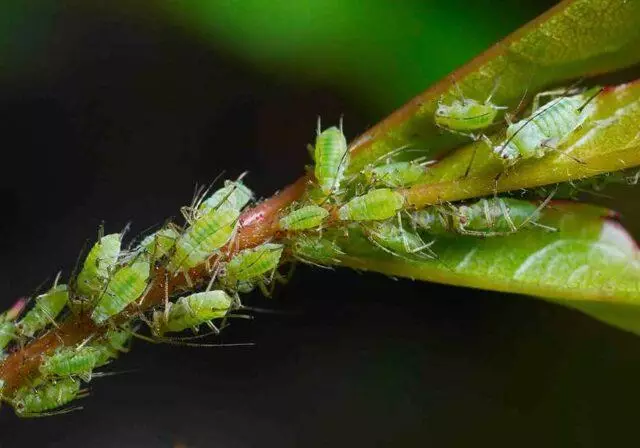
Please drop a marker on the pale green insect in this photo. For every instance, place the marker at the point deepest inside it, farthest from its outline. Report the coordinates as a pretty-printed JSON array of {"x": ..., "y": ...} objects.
[
  {"x": 112, "y": 344},
  {"x": 547, "y": 127},
  {"x": 160, "y": 244},
  {"x": 396, "y": 174},
  {"x": 207, "y": 233},
  {"x": 331, "y": 157},
  {"x": 234, "y": 195},
  {"x": 7, "y": 332},
  {"x": 98, "y": 265},
  {"x": 250, "y": 266},
  {"x": 316, "y": 250},
  {"x": 45, "y": 310},
  {"x": 125, "y": 286},
  {"x": 304, "y": 218},
  {"x": 192, "y": 311},
  {"x": 393, "y": 238},
  {"x": 70, "y": 361},
  {"x": 375, "y": 205},
  {"x": 37, "y": 401},
  {"x": 484, "y": 218}
]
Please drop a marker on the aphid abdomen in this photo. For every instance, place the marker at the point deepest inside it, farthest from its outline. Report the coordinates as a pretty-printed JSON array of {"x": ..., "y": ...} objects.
[
  {"x": 495, "y": 215},
  {"x": 71, "y": 361},
  {"x": 397, "y": 174},
  {"x": 234, "y": 195},
  {"x": 112, "y": 344},
  {"x": 7, "y": 333},
  {"x": 251, "y": 264},
  {"x": 97, "y": 266},
  {"x": 316, "y": 250},
  {"x": 207, "y": 234},
  {"x": 331, "y": 159},
  {"x": 375, "y": 205},
  {"x": 160, "y": 243},
  {"x": 308, "y": 217},
  {"x": 395, "y": 239},
  {"x": 196, "y": 309},
  {"x": 46, "y": 397},
  {"x": 432, "y": 220},
  {"x": 465, "y": 116},
  {"x": 126, "y": 286},
  {"x": 560, "y": 117},
  {"x": 45, "y": 310}
]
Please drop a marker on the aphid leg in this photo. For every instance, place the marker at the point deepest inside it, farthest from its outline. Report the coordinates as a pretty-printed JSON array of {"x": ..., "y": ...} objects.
[
  {"x": 507, "y": 215},
  {"x": 542, "y": 205},
  {"x": 216, "y": 271},
  {"x": 187, "y": 279},
  {"x": 166, "y": 298},
  {"x": 214, "y": 329},
  {"x": 551, "y": 144}
]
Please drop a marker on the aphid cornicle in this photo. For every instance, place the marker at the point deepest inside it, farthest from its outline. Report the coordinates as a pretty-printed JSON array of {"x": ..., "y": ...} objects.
[
  {"x": 375, "y": 205},
  {"x": 98, "y": 265},
  {"x": 316, "y": 250},
  {"x": 71, "y": 361},
  {"x": 484, "y": 218},
  {"x": 38, "y": 400},
  {"x": 249, "y": 267},
  {"x": 393, "y": 238},
  {"x": 234, "y": 195},
  {"x": 546, "y": 128},
  {"x": 307, "y": 217},
  {"x": 125, "y": 286},
  {"x": 45, "y": 310},
  {"x": 207, "y": 233},
  {"x": 192, "y": 311},
  {"x": 331, "y": 157}
]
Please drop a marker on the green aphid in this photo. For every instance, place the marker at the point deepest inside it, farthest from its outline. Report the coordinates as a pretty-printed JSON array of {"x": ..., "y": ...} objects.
[
  {"x": 125, "y": 286},
  {"x": 316, "y": 250},
  {"x": 39, "y": 400},
  {"x": 234, "y": 195},
  {"x": 304, "y": 218},
  {"x": 466, "y": 115},
  {"x": 111, "y": 345},
  {"x": 98, "y": 265},
  {"x": 160, "y": 244},
  {"x": 393, "y": 238},
  {"x": 207, "y": 233},
  {"x": 250, "y": 266},
  {"x": 375, "y": 205},
  {"x": 47, "y": 307},
  {"x": 395, "y": 174},
  {"x": 484, "y": 218},
  {"x": 70, "y": 361},
  {"x": 192, "y": 311},
  {"x": 7, "y": 332},
  {"x": 331, "y": 157}
]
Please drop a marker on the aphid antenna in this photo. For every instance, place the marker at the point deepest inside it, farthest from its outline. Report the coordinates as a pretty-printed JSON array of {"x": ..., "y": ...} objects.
[
  {"x": 591, "y": 98},
  {"x": 271, "y": 311},
  {"x": 214, "y": 275},
  {"x": 52, "y": 413},
  {"x": 540, "y": 207},
  {"x": 458, "y": 90}
]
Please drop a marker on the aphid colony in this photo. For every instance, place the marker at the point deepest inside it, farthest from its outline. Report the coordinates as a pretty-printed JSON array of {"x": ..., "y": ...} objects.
[{"x": 113, "y": 280}]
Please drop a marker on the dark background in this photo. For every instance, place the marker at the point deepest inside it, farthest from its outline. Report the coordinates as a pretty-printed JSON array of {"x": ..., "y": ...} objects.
[{"x": 115, "y": 113}]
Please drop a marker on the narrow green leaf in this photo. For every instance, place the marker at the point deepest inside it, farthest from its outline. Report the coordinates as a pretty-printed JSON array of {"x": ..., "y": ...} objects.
[
  {"x": 577, "y": 38},
  {"x": 589, "y": 263}
]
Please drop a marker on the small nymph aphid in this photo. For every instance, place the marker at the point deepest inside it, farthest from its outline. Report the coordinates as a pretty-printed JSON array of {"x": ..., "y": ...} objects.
[
  {"x": 125, "y": 286},
  {"x": 207, "y": 233},
  {"x": 375, "y": 205},
  {"x": 72, "y": 361},
  {"x": 250, "y": 266},
  {"x": 466, "y": 115},
  {"x": 111, "y": 345},
  {"x": 44, "y": 312},
  {"x": 392, "y": 237},
  {"x": 39, "y": 400},
  {"x": 160, "y": 244},
  {"x": 548, "y": 126},
  {"x": 484, "y": 218},
  {"x": 304, "y": 218},
  {"x": 192, "y": 311},
  {"x": 98, "y": 265},
  {"x": 316, "y": 250},
  {"x": 331, "y": 156},
  {"x": 234, "y": 195}
]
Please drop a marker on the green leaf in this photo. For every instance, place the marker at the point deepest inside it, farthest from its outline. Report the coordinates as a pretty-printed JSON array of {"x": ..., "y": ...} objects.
[
  {"x": 577, "y": 38},
  {"x": 590, "y": 263}
]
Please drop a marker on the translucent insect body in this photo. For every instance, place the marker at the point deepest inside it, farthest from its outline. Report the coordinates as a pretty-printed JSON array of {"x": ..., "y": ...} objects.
[
  {"x": 70, "y": 361},
  {"x": 331, "y": 157},
  {"x": 393, "y": 238},
  {"x": 126, "y": 285},
  {"x": 36, "y": 401},
  {"x": 250, "y": 266},
  {"x": 98, "y": 265},
  {"x": 307, "y": 217},
  {"x": 484, "y": 218},
  {"x": 546, "y": 128},
  {"x": 375, "y": 205},
  {"x": 234, "y": 195},
  {"x": 192, "y": 311},
  {"x": 160, "y": 244},
  {"x": 316, "y": 250},
  {"x": 44, "y": 312}
]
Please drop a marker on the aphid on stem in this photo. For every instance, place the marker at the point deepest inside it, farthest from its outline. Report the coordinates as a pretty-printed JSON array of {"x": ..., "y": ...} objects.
[
  {"x": 393, "y": 238},
  {"x": 47, "y": 307},
  {"x": 41, "y": 400},
  {"x": 318, "y": 251},
  {"x": 72, "y": 361},
  {"x": 98, "y": 265},
  {"x": 376, "y": 205},
  {"x": 331, "y": 156},
  {"x": 250, "y": 267},
  {"x": 304, "y": 218}
]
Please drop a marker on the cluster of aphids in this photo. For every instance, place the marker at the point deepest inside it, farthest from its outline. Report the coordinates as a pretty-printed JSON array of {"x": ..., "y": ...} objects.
[{"x": 112, "y": 279}]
